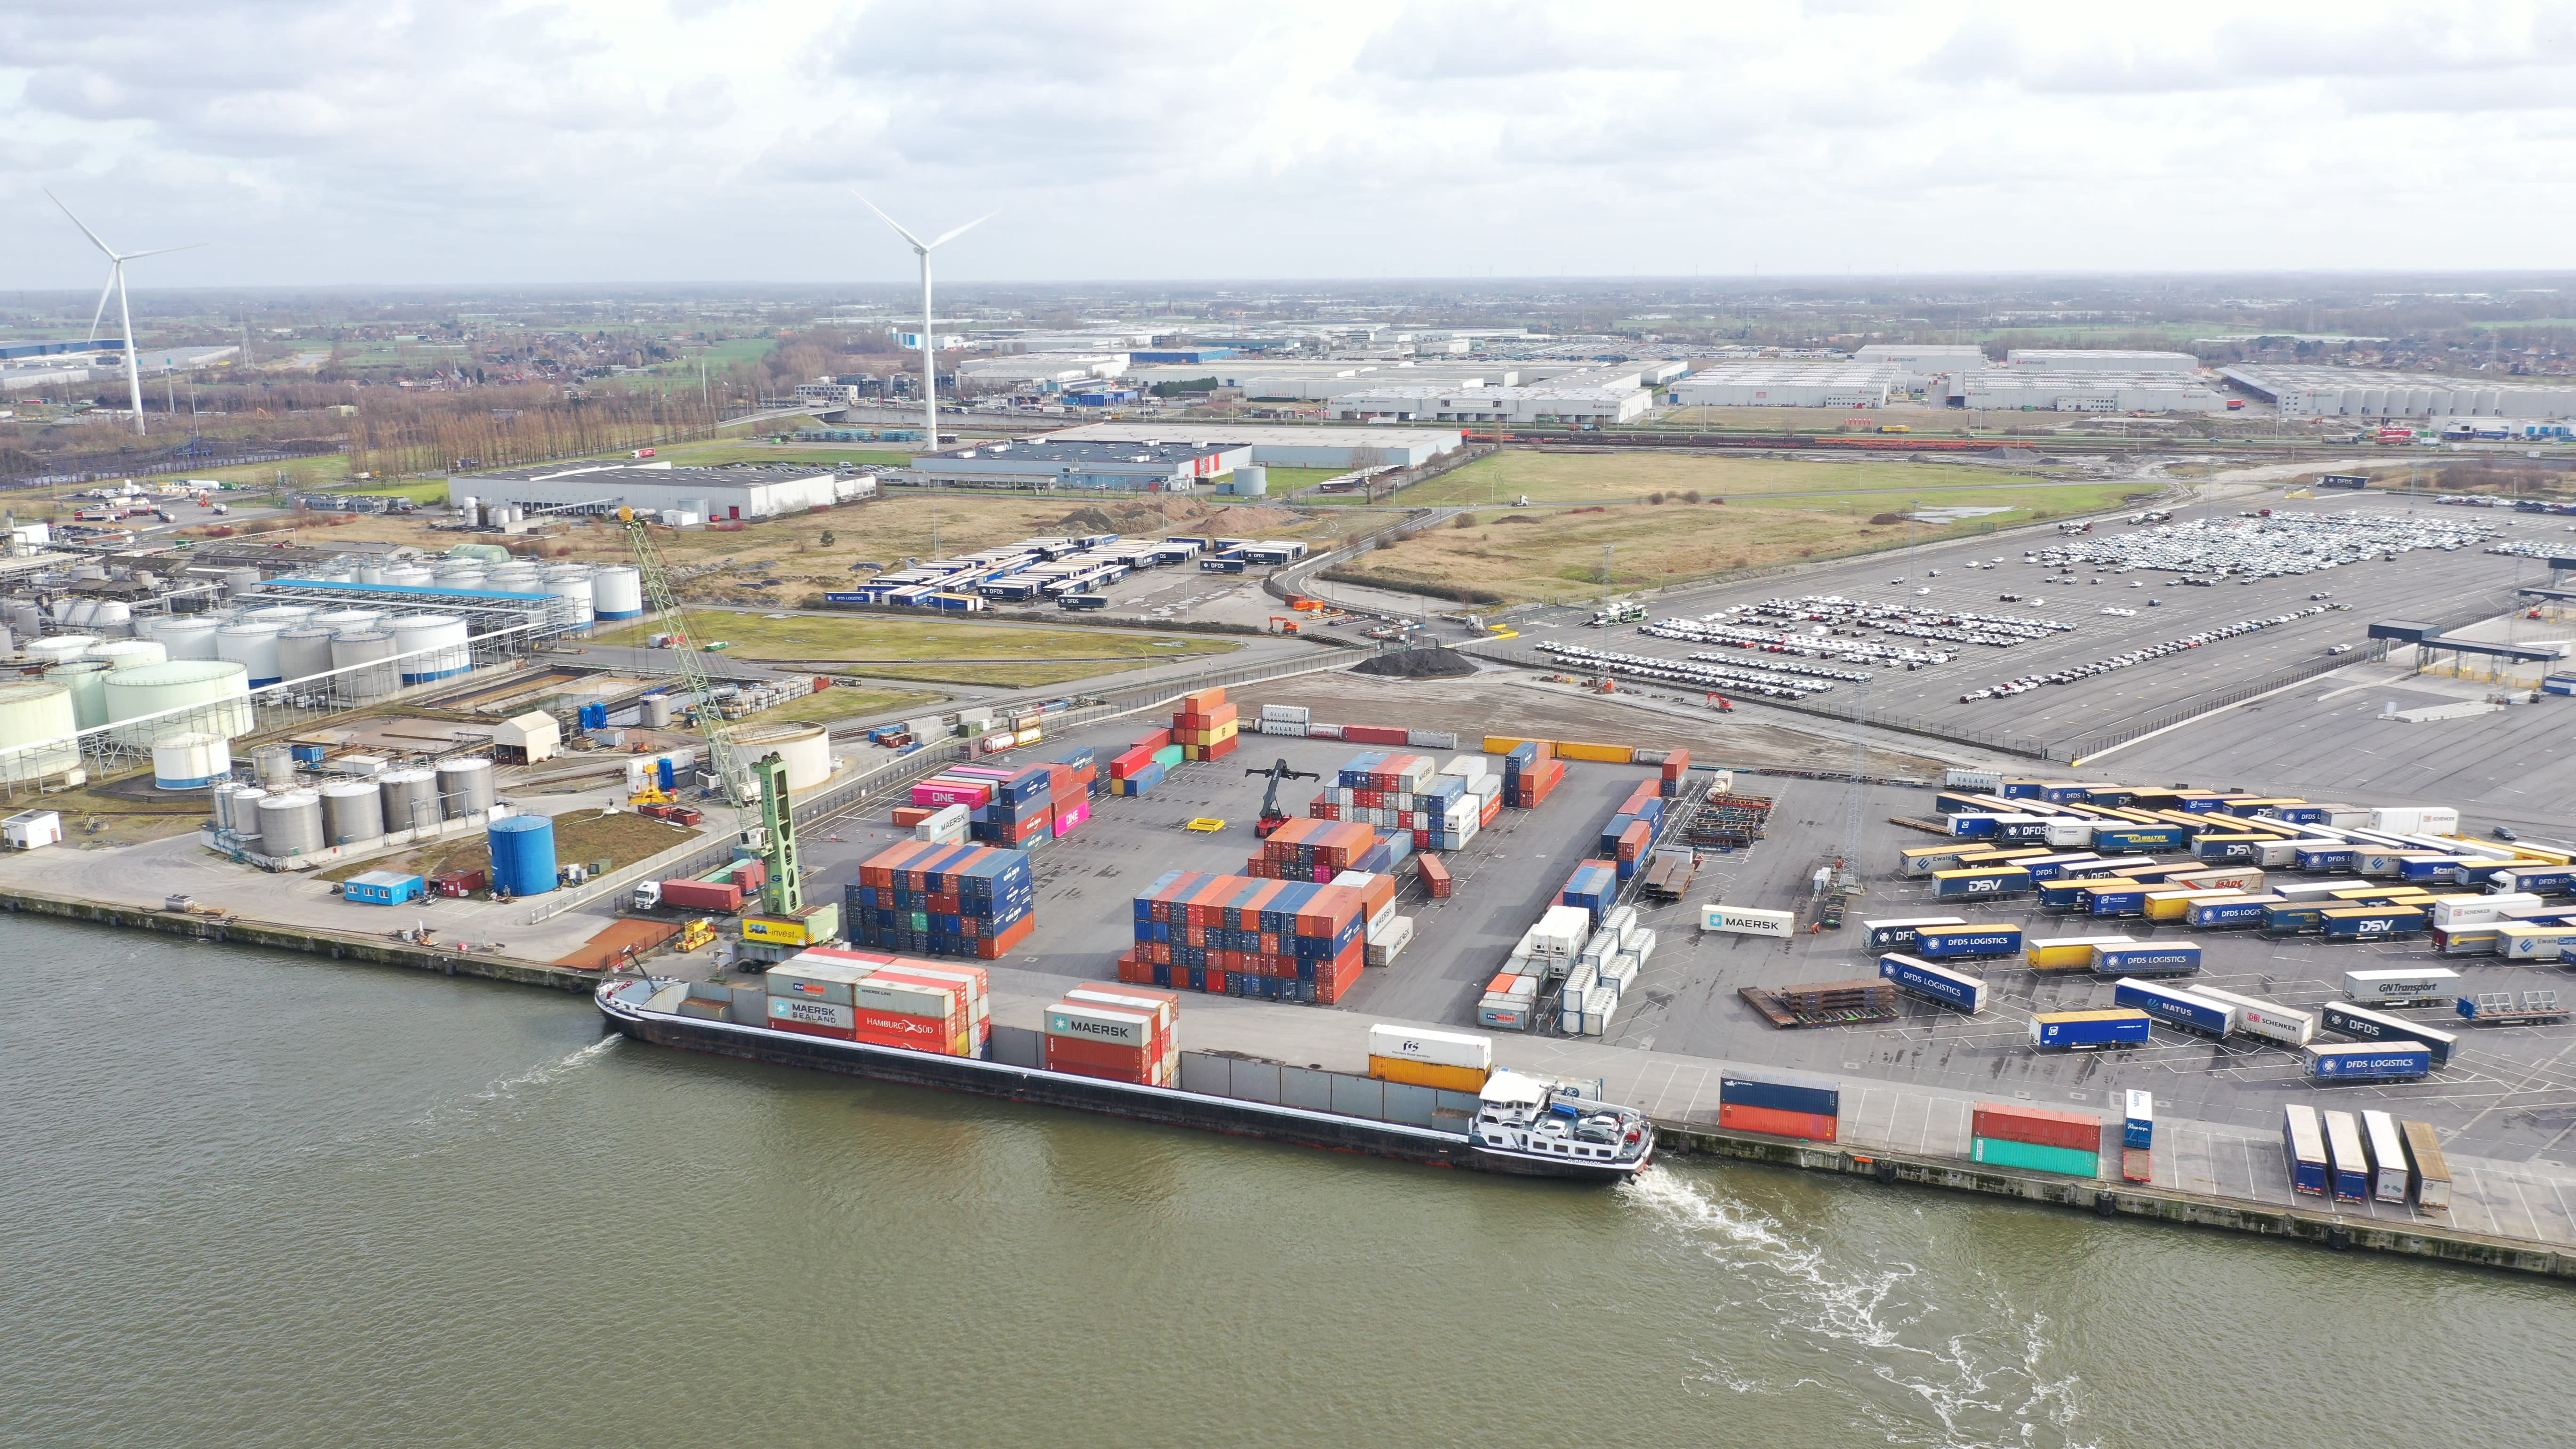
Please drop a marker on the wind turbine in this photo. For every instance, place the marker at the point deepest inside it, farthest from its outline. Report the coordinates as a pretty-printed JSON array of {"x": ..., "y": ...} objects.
[
  {"x": 116, "y": 261},
  {"x": 929, "y": 346}
]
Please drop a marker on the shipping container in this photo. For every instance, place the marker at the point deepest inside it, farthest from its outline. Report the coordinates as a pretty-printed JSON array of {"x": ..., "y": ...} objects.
[
  {"x": 2371, "y": 923},
  {"x": 2067, "y": 953},
  {"x": 2365, "y": 1025},
  {"x": 2479, "y": 910},
  {"x": 2137, "y": 1119},
  {"x": 2345, "y": 1154},
  {"x": 2228, "y": 913},
  {"x": 2248, "y": 879},
  {"x": 2257, "y": 1017},
  {"x": 1924, "y": 978},
  {"x": 2036, "y": 1157},
  {"x": 2148, "y": 958},
  {"x": 2529, "y": 941},
  {"x": 2415, "y": 986},
  {"x": 1774, "y": 1122},
  {"x": 2428, "y": 1172},
  {"x": 2177, "y": 1006},
  {"x": 2303, "y": 1142},
  {"x": 1441, "y": 1048},
  {"x": 2387, "y": 1148},
  {"x": 1943, "y": 943},
  {"x": 2084, "y": 1030},
  {"x": 2366, "y": 1062},
  {"x": 1782, "y": 1092},
  {"x": 2004, "y": 1121}
]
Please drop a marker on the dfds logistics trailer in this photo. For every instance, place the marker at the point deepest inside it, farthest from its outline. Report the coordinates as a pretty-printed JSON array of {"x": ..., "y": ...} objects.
[
  {"x": 2364, "y": 1062},
  {"x": 1954, "y": 989},
  {"x": 2147, "y": 958},
  {"x": 1898, "y": 935},
  {"x": 2069, "y": 953},
  {"x": 1945, "y": 943},
  {"x": 2371, "y": 1027}
]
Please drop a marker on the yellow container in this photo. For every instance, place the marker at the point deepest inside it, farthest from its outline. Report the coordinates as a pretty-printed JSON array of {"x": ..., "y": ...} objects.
[
  {"x": 1427, "y": 1074},
  {"x": 1502, "y": 744},
  {"x": 2174, "y": 905},
  {"x": 777, "y": 930},
  {"x": 1606, "y": 754},
  {"x": 2057, "y": 956}
]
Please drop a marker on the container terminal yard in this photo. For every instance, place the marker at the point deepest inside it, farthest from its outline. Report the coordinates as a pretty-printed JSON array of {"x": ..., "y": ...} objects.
[{"x": 1719, "y": 976}]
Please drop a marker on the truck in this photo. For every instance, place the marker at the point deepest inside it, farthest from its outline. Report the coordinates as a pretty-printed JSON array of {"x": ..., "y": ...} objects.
[
  {"x": 2366, "y": 1062},
  {"x": 2415, "y": 986},
  {"x": 1080, "y": 602},
  {"x": 2089, "y": 1030},
  {"x": 1625, "y": 613},
  {"x": 2303, "y": 1142},
  {"x": 2147, "y": 958},
  {"x": 1954, "y": 989},
  {"x": 2376, "y": 1029},
  {"x": 647, "y": 896},
  {"x": 2176, "y": 1006}
]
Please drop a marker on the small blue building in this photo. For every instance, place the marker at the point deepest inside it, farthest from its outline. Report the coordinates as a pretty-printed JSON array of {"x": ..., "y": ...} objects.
[{"x": 383, "y": 888}]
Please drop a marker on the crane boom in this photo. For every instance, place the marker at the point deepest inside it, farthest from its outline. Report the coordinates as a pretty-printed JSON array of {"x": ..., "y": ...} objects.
[{"x": 684, "y": 650}]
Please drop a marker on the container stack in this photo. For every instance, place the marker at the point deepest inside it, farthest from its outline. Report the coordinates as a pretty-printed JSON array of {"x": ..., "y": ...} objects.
[
  {"x": 1779, "y": 1104},
  {"x": 1142, "y": 765},
  {"x": 1676, "y": 766},
  {"x": 1531, "y": 772},
  {"x": 1594, "y": 888},
  {"x": 1240, "y": 935},
  {"x": 1205, "y": 726},
  {"x": 1511, "y": 998},
  {"x": 1442, "y": 811},
  {"x": 1285, "y": 719},
  {"x": 947, "y": 900},
  {"x": 1119, "y": 1034},
  {"x": 1445, "y": 1060},
  {"x": 882, "y": 1001},
  {"x": 1603, "y": 972},
  {"x": 2036, "y": 1139},
  {"x": 1630, "y": 836},
  {"x": 1313, "y": 850},
  {"x": 1483, "y": 784}
]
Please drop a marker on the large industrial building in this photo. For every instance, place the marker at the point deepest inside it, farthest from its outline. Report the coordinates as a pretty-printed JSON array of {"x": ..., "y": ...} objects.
[
  {"x": 1543, "y": 403},
  {"x": 1060, "y": 463},
  {"x": 2345, "y": 392},
  {"x": 704, "y": 493},
  {"x": 1917, "y": 363},
  {"x": 2075, "y": 359},
  {"x": 1042, "y": 371},
  {"x": 1788, "y": 385},
  {"x": 2074, "y": 392},
  {"x": 1278, "y": 446}
]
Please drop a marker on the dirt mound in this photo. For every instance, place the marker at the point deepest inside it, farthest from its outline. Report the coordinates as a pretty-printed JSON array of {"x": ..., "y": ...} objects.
[
  {"x": 1133, "y": 519},
  {"x": 1419, "y": 664},
  {"x": 1248, "y": 519}
]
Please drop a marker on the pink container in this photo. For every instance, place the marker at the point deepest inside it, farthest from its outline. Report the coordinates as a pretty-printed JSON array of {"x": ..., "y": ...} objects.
[
  {"x": 1067, "y": 817},
  {"x": 972, "y": 794}
]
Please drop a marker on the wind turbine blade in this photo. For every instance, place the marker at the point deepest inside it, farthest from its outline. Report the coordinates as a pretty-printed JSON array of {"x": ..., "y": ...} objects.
[
  {"x": 890, "y": 221},
  {"x": 84, "y": 226},
  {"x": 160, "y": 251},
  {"x": 103, "y": 294},
  {"x": 970, "y": 226}
]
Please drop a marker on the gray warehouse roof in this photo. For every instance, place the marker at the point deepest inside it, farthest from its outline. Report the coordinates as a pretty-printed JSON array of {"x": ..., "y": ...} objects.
[
  {"x": 1075, "y": 451},
  {"x": 626, "y": 475}
]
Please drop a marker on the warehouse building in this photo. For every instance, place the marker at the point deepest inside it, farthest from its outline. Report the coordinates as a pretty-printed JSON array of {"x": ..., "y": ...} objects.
[
  {"x": 1551, "y": 402},
  {"x": 2075, "y": 392},
  {"x": 1054, "y": 462},
  {"x": 1788, "y": 385},
  {"x": 1037, "y": 371},
  {"x": 2052, "y": 359},
  {"x": 1917, "y": 363},
  {"x": 1284, "y": 447},
  {"x": 702, "y": 493},
  {"x": 2347, "y": 392}
]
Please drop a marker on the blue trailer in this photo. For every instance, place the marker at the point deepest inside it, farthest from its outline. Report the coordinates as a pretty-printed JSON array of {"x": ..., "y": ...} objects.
[
  {"x": 1899, "y": 934},
  {"x": 1950, "y": 988},
  {"x": 2138, "y": 1122},
  {"x": 2542, "y": 880},
  {"x": 2051, "y": 867},
  {"x": 2371, "y": 923},
  {"x": 2176, "y": 1006},
  {"x": 2142, "y": 839},
  {"x": 2320, "y": 858},
  {"x": 2351, "y": 1161},
  {"x": 2377, "y": 1029},
  {"x": 2303, "y": 1142},
  {"x": 2148, "y": 958},
  {"x": 2364, "y": 1062},
  {"x": 1956, "y": 885},
  {"x": 1950, "y": 943},
  {"x": 2124, "y": 899},
  {"x": 2294, "y": 918},
  {"x": 1781, "y": 1092},
  {"x": 2228, "y": 914},
  {"x": 2084, "y": 1030}
]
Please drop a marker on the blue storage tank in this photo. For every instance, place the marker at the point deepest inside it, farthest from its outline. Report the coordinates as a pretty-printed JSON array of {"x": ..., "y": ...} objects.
[{"x": 523, "y": 854}]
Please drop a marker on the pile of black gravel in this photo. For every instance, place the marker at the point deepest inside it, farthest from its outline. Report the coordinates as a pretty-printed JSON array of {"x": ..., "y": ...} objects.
[{"x": 1419, "y": 664}]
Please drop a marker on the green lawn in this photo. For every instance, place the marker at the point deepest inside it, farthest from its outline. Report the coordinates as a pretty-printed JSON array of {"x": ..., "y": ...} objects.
[
  {"x": 1289, "y": 480},
  {"x": 1617, "y": 477},
  {"x": 830, "y": 704}
]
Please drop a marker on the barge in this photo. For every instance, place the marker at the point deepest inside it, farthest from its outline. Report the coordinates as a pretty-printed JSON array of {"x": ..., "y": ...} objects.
[{"x": 1523, "y": 1125}]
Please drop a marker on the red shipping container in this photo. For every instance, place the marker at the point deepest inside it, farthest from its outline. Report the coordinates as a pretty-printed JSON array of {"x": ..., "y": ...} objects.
[
  {"x": 1221, "y": 748},
  {"x": 1203, "y": 700},
  {"x": 1810, "y": 1126},
  {"x": 1634, "y": 840},
  {"x": 809, "y": 1028},
  {"x": 1101, "y": 1053},
  {"x": 1372, "y": 735},
  {"x": 1435, "y": 876},
  {"x": 1675, "y": 764},
  {"x": 702, "y": 895},
  {"x": 2081, "y": 1131},
  {"x": 909, "y": 815},
  {"x": 1492, "y": 811}
]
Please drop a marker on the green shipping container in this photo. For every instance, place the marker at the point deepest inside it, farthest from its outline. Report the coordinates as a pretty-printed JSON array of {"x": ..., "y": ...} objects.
[
  {"x": 1168, "y": 755},
  {"x": 2030, "y": 1155}
]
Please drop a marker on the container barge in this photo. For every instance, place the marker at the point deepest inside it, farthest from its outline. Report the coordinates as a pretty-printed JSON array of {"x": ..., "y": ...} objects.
[{"x": 1521, "y": 1125}]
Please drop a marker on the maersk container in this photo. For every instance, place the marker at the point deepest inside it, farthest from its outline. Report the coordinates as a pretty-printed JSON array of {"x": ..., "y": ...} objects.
[
  {"x": 2175, "y": 1005},
  {"x": 2229, "y": 914},
  {"x": 2368, "y": 1063},
  {"x": 1954, "y": 885},
  {"x": 2083, "y": 1030},
  {"x": 2412, "y": 986},
  {"x": 2374, "y": 1029},
  {"x": 2303, "y": 1142},
  {"x": 2148, "y": 958},
  {"x": 2138, "y": 1120},
  {"x": 1948, "y": 943},
  {"x": 2387, "y": 1145},
  {"x": 2267, "y": 1019},
  {"x": 2344, "y": 1150},
  {"x": 1899, "y": 934},
  {"x": 2372, "y": 923},
  {"x": 1924, "y": 978}
]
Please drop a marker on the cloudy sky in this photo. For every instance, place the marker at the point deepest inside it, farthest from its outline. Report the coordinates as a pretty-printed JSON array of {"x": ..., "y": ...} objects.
[{"x": 450, "y": 141}]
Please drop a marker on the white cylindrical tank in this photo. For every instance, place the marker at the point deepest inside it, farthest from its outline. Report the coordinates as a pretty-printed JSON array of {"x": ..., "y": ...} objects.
[
  {"x": 617, "y": 592},
  {"x": 87, "y": 680},
  {"x": 574, "y": 588},
  {"x": 279, "y": 614},
  {"x": 410, "y": 576},
  {"x": 224, "y": 793},
  {"x": 190, "y": 760},
  {"x": 244, "y": 810},
  {"x": 409, "y": 798},
  {"x": 61, "y": 648},
  {"x": 464, "y": 787},
  {"x": 252, "y": 646},
  {"x": 192, "y": 638},
  {"x": 128, "y": 653},
  {"x": 303, "y": 651},
  {"x": 273, "y": 766},
  {"x": 657, "y": 711},
  {"x": 340, "y": 621},
  {"x": 25, "y": 616},
  {"x": 806, "y": 750},
  {"x": 217, "y": 691},
  {"x": 459, "y": 579},
  {"x": 238, "y": 582},
  {"x": 352, "y": 810},
  {"x": 114, "y": 616},
  {"x": 290, "y": 824},
  {"x": 365, "y": 646},
  {"x": 82, "y": 614},
  {"x": 441, "y": 634},
  {"x": 36, "y": 726},
  {"x": 372, "y": 574}
]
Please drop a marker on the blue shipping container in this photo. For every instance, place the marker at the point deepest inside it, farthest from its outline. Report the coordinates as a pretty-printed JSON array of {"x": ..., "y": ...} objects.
[
  {"x": 2148, "y": 958},
  {"x": 2325, "y": 858},
  {"x": 2179, "y": 1007},
  {"x": 1782, "y": 1092},
  {"x": 2127, "y": 901},
  {"x": 2089, "y": 1028},
  {"x": 2144, "y": 839},
  {"x": 2138, "y": 1120},
  {"x": 2367, "y": 1063},
  {"x": 2390, "y": 924},
  {"x": 1950, "y": 988},
  {"x": 2208, "y": 914},
  {"x": 1969, "y": 884}
]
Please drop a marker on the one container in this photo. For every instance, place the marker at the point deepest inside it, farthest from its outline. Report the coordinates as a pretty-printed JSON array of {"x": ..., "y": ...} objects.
[
  {"x": 2176, "y": 1005},
  {"x": 2137, "y": 1118},
  {"x": 2303, "y": 1142},
  {"x": 2084, "y": 1030},
  {"x": 2418, "y": 986},
  {"x": 2147, "y": 958},
  {"x": 2365, "y": 1062},
  {"x": 2349, "y": 1160},
  {"x": 2267, "y": 1019},
  {"x": 1782, "y": 1092},
  {"x": 1943, "y": 943},
  {"x": 523, "y": 854},
  {"x": 2428, "y": 1172},
  {"x": 1898, "y": 934},
  {"x": 2036, "y": 1157}
]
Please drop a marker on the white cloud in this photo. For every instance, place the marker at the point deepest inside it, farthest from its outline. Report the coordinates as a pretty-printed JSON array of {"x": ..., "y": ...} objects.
[{"x": 618, "y": 140}]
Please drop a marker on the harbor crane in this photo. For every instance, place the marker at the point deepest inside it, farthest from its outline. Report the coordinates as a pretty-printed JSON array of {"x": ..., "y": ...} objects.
[{"x": 1271, "y": 818}]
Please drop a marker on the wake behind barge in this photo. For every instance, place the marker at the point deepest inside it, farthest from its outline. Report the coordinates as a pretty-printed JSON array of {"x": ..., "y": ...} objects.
[{"x": 1523, "y": 1125}]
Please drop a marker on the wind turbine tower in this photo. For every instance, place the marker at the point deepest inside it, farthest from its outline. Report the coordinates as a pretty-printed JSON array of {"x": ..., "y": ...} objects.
[
  {"x": 929, "y": 343},
  {"x": 116, "y": 261}
]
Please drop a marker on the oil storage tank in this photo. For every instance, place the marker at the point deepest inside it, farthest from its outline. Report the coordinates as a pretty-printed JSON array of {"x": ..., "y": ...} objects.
[
  {"x": 36, "y": 727},
  {"x": 190, "y": 760},
  {"x": 408, "y": 798},
  {"x": 191, "y": 638},
  {"x": 241, "y": 816},
  {"x": 289, "y": 824},
  {"x": 573, "y": 586},
  {"x": 617, "y": 592},
  {"x": 129, "y": 653},
  {"x": 373, "y": 649},
  {"x": 87, "y": 680},
  {"x": 60, "y": 649},
  {"x": 341, "y": 621},
  {"x": 352, "y": 810},
  {"x": 216, "y": 691},
  {"x": 464, "y": 787},
  {"x": 523, "y": 855},
  {"x": 253, "y": 646},
  {"x": 303, "y": 651},
  {"x": 442, "y": 635},
  {"x": 806, "y": 750}
]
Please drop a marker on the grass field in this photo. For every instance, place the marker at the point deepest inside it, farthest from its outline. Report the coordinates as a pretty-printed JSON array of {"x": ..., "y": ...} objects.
[
  {"x": 580, "y": 835},
  {"x": 1603, "y": 477},
  {"x": 1289, "y": 480},
  {"x": 831, "y": 704},
  {"x": 933, "y": 650},
  {"x": 1537, "y": 554}
]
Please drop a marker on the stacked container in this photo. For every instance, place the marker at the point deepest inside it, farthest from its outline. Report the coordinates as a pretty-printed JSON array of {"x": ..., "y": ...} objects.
[
  {"x": 1245, "y": 935},
  {"x": 1531, "y": 772},
  {"x": 1779, "y": 1104},
  {"x": 879, "y": 1000},
  {"x": 1205, "y": 726},
  {"x": 1141, "y": 766},
  {"x": 2036, "y": 1139},
  {"x": 1676, "y": 766},
  {"x": 1593, "y": 888},
  {"x": 1113, "y": 1040},
  {"x": 1313, "y": 850},
  {"x": 1630, "y": 835},
  {"x": 1448, "y": 1061},
  {"x": 947, "y": 900},
  {"x": 1511, "y": 998},
  {"x": 1018, "y": 812},
  {"x": 1442, "y": 810}
]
